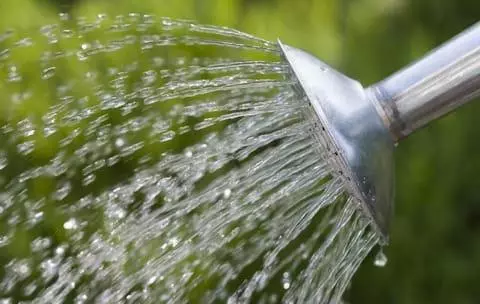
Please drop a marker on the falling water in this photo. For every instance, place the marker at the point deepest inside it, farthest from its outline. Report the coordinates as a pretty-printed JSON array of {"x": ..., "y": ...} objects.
[{"x": 154, "y": 160}]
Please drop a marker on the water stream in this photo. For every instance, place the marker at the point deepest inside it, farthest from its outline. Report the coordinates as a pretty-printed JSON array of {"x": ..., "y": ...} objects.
[{"x": 151, "y": 160}]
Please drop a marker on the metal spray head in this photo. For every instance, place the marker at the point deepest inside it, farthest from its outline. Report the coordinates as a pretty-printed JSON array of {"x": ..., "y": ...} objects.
[{"x": 362, "y": 125}]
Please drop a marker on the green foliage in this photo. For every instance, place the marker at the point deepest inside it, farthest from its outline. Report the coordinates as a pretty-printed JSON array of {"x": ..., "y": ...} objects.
[{"x": 434, "y": 256}]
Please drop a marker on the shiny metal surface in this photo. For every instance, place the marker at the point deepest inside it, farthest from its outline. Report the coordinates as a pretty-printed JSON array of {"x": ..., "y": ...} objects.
[
  {"x": 360, "y": 126},
  {"x": 359, "y": 144},
  {"x": 438, "y": 83}
]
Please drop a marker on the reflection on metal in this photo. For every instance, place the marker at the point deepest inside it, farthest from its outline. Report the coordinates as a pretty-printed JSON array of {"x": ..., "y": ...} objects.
[{"x": 361, "y": 125}]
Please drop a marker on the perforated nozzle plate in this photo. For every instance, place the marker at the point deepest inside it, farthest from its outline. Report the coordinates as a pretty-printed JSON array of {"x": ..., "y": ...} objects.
[{"x": 359, "y": 146}]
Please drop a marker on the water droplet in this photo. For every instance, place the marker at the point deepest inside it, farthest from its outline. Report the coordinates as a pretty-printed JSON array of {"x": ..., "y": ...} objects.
[
  {"x": 40, "y": 244},
  {"x": 13, "y": 75},
  {"x": 49, "y": 32},
  {"x": 22, "y": 268},
  {"x": 60, "y": 250},
  {"x": 48, "y": 268},
  {"x": 111, "y": 161},
  {"x": 167, "y": 22},
  {"x": 64, "y": 16},
  {"x": 4, "y": 54},
  {"x": 173, "y": 241},
  {"x": 67, "y": 33},
  {"x": 149, "y": 77},
  {"x": 116, "y": 212},
  {"x": 286, "y": 280},
  {"x": 227, "y": 193},
  {"x": 26, "y": 147},
  {"x": 90, "y": 75},
  {"x": 62, "y": 191},
  {"x": 102, "y": 16},
  {"x": 119, "y": 142},
  {"x": 24, "y": 42},
  {"x": 169, "y": 135},
  {"x": 4, "y": 240},
  {"x": 49, "y": 130},
  {"x": 3, "y": 160},
  {"x": 26, "y": 127},
  {"x": 88, "y": 179},
  {"x": 38, "y": 216},
  {"x": 181, "y": 61},
  {"x": 71, "y": 224},
  {"x": 380, "y": 259},
  {"x": 29, "y": 289},
  {"x": 81, "y": 56},
  {"x": 81, "y": 299},
  {"x": 48, "y": 73}
]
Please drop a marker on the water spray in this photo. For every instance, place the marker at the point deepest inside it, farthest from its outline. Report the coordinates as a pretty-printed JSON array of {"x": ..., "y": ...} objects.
[
  {"x": 181, "y": 170},
  {"x": 362, "y": 125}
]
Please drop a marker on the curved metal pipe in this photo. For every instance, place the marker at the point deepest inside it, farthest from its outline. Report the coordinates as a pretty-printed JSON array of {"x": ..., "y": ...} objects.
[{"x": 440, "y": 82}]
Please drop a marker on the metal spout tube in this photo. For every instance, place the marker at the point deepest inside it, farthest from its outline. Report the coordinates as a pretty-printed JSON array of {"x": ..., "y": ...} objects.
[{"x": 440, "y": 82}]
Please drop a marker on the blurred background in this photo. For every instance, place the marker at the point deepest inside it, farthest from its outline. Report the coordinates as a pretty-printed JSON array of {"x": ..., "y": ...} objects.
[{"x": 434, "y": 254}]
